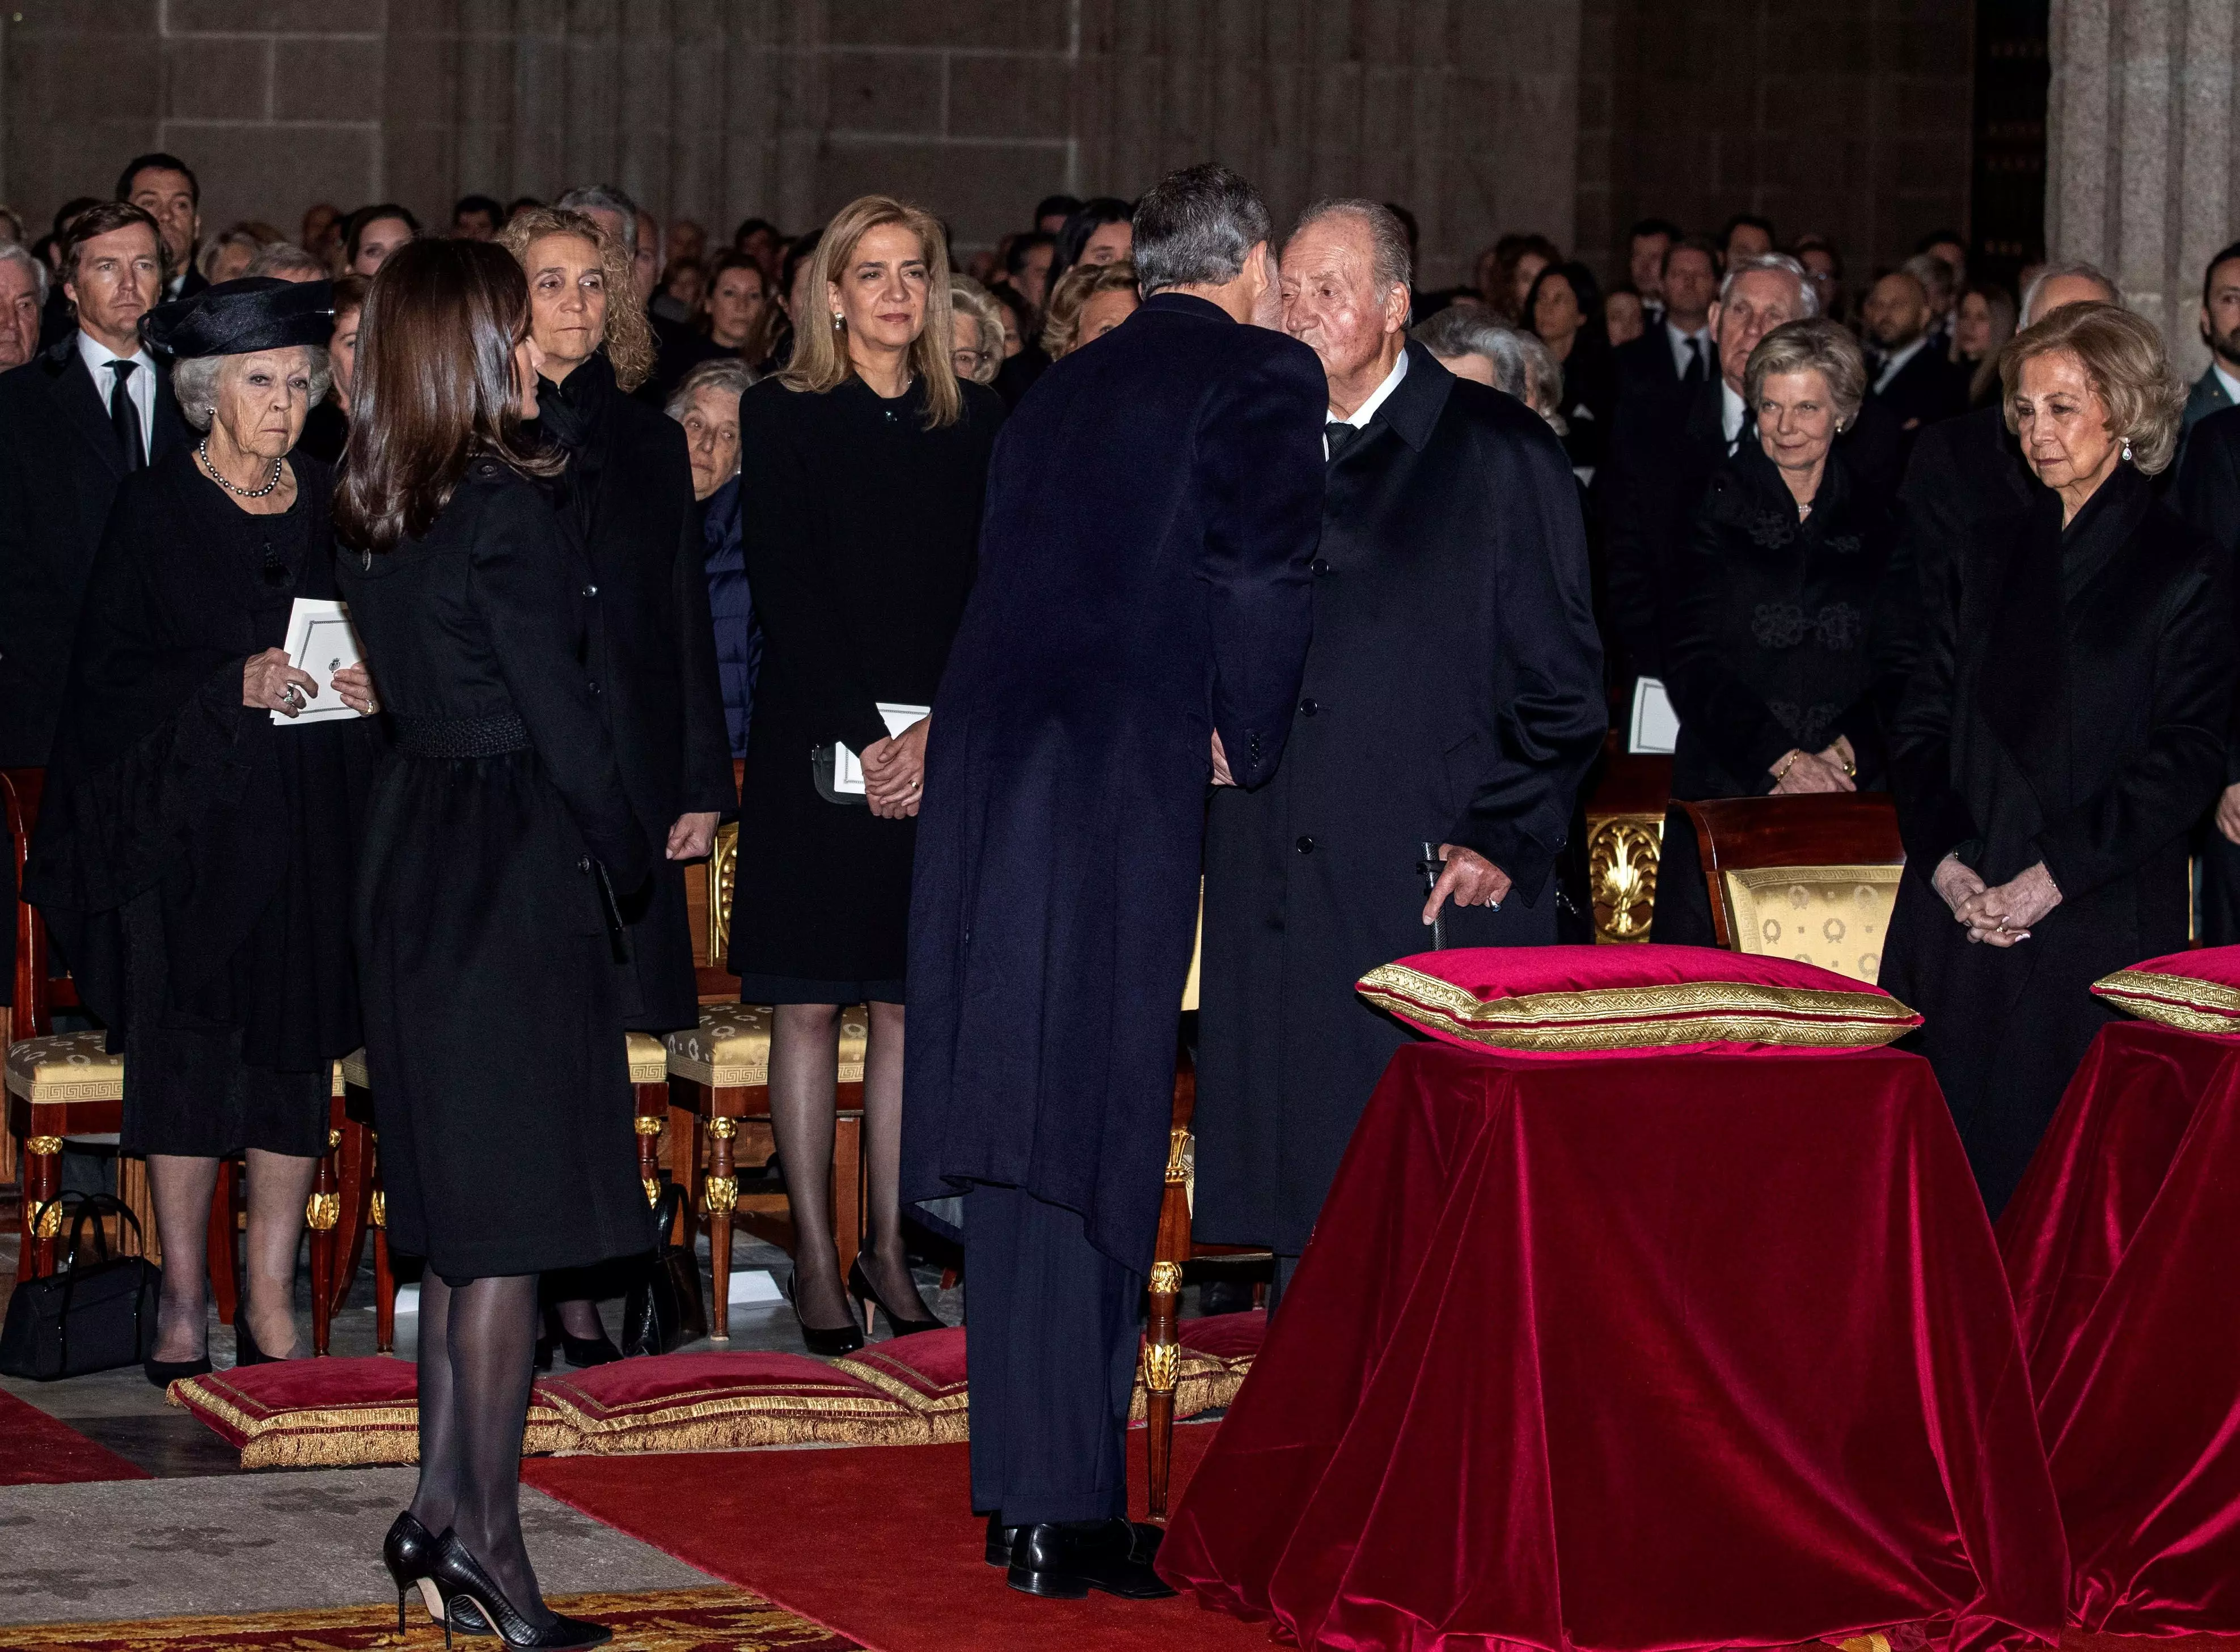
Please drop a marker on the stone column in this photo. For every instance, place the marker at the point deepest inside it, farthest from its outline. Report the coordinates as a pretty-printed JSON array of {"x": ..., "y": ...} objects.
[{"x": 2140, "y": 132}]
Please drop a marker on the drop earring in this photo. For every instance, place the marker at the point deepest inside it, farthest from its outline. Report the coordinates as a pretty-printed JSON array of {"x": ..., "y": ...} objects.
[
  {"x": 2127, "y": 449},
  {"x": 836, "y": 320}
]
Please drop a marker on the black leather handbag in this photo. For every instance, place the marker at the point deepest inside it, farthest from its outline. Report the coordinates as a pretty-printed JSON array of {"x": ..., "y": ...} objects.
[
  {"x": 90, "y": 1316},
  {"x": 663, "y": 1310}
]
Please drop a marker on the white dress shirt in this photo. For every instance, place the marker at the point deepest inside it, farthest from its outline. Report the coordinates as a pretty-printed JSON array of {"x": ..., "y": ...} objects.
[
  {"x": 1731, "y": 412},
  {"x": 1895, "y": 363},
  {"x": 1360, "y": 416},
  {"x": 2231, "y": 384},
  {"x": 140, "y": 386},
  {"x": 1678, "y": 341}
]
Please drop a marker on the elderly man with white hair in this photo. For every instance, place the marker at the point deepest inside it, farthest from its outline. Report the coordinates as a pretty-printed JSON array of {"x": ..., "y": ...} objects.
[
  {"x": 22, "y": 296},
  {"x": 1451, "y": 704}
]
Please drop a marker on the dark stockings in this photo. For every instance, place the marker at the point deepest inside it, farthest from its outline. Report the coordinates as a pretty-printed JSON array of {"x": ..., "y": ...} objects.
[
  {"x": 477, "y": 1344},
  {"x": 279, "y": 1183},
  {"x": 804, "y": 1076}
]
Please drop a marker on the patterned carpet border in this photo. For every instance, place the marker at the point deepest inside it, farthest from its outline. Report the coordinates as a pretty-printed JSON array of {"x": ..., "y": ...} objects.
[{"x": 686, "y": 1620}]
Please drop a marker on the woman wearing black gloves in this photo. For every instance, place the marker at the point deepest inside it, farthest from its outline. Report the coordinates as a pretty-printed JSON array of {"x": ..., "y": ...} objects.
[{"x": 503, "y": 856}]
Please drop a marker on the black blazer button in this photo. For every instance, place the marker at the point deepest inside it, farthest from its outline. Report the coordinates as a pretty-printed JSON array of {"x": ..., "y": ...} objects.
[
  {"x": 1305, "y": 846},
  {"x": 1319, "y": 566},
  {"x": 591, "y": 590},
  {"x": 584, "y": 866},
  {"x": 1308, "y": 707},
  {"x": 594, "y": 687}
]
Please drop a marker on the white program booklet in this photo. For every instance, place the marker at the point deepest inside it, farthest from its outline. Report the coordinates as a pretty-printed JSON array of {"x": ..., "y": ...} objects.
[
  {"x": 1655, "y": 724},
  {"x": 848, "y": 766},
  {"x": 321, "y": 641}
]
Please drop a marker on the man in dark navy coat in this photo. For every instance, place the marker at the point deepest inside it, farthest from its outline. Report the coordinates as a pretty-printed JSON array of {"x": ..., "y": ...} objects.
[
  {"x": 1453, "y": 695},
  {"x": 1137, "y": 629}
]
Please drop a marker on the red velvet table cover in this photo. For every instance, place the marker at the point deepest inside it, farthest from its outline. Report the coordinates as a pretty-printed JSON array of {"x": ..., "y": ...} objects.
[
  {"x": 2122, "y": 1245},
  {"x": 1633, "y": 1355}
]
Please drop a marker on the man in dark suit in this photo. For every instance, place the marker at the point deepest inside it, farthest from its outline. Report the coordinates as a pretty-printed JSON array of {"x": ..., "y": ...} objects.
[
  {"x": 1452, "y": 697},
  {"x": 73, "y": 422},
  {"x": 1676, "y": 354},
  {"x": 165, "y": 188},
  {"x": 2218, "y": 387},
  {"x": 1913, "y": 379},
  {"x": 1138, "y": 627},
  {"x": 2208, "y": 496}
]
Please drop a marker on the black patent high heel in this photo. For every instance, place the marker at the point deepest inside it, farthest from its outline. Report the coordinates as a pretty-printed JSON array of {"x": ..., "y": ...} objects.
[
  {"x": 866, "y": 1297},
  {"x": 829, "y": 1345},
  {"x": 459, "y": 1576},
  {"x": 409, "y": 1552}
]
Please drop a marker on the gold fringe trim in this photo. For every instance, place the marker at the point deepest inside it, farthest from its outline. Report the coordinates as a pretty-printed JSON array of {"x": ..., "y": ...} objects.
[
  {"x": 1644, "y": 1018},
  {"x": 916, "y": 1398},
  {"x": 2184, "y": 1001}
]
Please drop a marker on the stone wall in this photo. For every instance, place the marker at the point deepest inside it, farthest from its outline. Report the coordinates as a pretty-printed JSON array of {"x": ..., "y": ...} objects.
[
  {"x": 1475, "y": 113},
  {"x": 2141, "y": 173}
]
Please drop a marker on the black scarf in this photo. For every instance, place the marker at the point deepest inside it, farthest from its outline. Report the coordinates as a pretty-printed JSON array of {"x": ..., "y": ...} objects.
[{"x": 575, "y": 415}]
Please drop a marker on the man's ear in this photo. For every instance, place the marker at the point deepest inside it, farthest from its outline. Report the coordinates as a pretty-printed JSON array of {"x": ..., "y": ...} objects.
[{"x": 1711, "y": 318}]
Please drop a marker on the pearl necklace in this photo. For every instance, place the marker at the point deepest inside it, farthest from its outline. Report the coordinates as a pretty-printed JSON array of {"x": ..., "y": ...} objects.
[{"x": 202, "y": 451}]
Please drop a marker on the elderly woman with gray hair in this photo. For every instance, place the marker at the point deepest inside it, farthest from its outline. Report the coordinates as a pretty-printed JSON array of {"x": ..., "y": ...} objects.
[
  {"x": 2066, "y": 729},
  {"x": 1792, "y": 615},
  {"x": 707, "y": 404},
  {"x": 196, "y": 850}
]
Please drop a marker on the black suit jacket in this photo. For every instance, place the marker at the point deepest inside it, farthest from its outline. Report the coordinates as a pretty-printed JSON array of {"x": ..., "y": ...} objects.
[
  {"x": 1663, "y": 451},
  {"x": 2207, "y": 493},
  {"x": 1452, "y": 694},
  {"x": 1927, "y": 388},
  {"x": 1645, "y": 366},
  {"x": 1151, "y": 510},
  {"x": 59, "y": 471}
]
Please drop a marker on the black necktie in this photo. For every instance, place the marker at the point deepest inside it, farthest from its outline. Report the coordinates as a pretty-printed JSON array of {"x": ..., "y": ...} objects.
[
  {"x": 1340, "y": 436},
  {"x": 125, "y": 418},
  {"x": 1694, "y": 375}
]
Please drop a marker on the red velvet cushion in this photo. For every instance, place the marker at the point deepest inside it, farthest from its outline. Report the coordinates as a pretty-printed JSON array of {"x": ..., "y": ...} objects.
[
  {"x": 924, "y": 1372},
  {"x": 330, "y": 1413},
  {"x": 713, "y": 1402},
  {"x": 1632, "y": 1000},
  {"x": 2197, "y": 990}
]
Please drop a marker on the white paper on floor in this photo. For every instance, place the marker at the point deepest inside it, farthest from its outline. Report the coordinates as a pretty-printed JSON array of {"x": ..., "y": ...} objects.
[
  {"x": 751, "y": 1285},
  {"x": 407, "y": 1302}
]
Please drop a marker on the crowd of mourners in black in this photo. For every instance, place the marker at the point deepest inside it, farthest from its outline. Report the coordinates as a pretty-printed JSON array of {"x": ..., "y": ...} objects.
[{"x": 614, "y": 506}]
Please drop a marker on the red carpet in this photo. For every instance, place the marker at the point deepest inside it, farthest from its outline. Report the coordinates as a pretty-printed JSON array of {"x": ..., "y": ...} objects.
[
  {"x": 878, "y": 1542},
  {"x": 41, "y": 1451}
]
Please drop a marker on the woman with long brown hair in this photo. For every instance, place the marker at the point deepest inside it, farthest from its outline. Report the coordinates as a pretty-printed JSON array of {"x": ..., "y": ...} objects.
[
  {"x": 864, "y": 466},
  {"x": 501, "y": 857}
]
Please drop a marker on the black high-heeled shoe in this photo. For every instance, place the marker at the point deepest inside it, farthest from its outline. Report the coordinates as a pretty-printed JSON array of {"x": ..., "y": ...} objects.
[
  {"x": 245, "y": 1350},
  {"x": 459, "y": 1576},
  {"x": 867, "y": 1296},
  {"x": 582, "y": 1352},
  {"x": 828, "y": 1345},
  {"x": 163, "y": 1373},
  {"x": 409, "y": 1552}
]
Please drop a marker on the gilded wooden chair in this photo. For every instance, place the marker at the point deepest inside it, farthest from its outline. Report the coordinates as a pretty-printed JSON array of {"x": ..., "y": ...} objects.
[
  {"x": 1626, "y": 841},
  {"x": 718, "y": 1101},
  {"x": 1812, "y": 877}
]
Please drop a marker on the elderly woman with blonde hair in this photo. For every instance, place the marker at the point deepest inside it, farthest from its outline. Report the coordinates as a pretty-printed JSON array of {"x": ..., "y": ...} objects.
[
  {"x": 2064, "y": 731},
  {"x": 1089, "y": 301},
  {"x": 978, "y": 321},
  {"x": 864, "y": 466}
]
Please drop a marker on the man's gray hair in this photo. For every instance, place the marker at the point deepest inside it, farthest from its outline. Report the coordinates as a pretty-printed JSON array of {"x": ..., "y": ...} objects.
[
  {"x": 2075, "y": 267},
  {"x": 286, "y": 259},
  {"x": 1390, "y": 266},
  {"x": 605, "y": 197},
  {"x": 1937, "y": 275},
  {"x": 1808, "y": 296},
  {"x": 196, "y": 379},
  {"x": 1193, "y": 228},
  {"x": 13, "y": 252},
  {"x": 727, "y": 374}
]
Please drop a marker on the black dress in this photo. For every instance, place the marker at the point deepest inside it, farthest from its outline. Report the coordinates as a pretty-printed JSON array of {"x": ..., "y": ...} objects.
[
  {"x": 2070, "y": 707},
  {"x": 493, "y": 995},
  {"x": 861, "y": 529},
  {"x": 194, "y": 859},
  {"x": 1786, "y": 633},
  {"x": 626, "y": 505}
]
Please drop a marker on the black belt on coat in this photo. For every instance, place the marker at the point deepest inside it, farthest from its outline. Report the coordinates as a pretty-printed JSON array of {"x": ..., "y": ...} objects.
[{"x": 454, "y": 737}]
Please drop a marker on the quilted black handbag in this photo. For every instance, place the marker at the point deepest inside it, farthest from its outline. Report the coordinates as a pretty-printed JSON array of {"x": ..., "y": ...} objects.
[
  {"x": 91, "y": 1316},
  {"x": 663, "y": 1310}
]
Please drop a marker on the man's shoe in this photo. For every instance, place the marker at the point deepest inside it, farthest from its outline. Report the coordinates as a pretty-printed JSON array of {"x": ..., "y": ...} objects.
[
  {"x": 999, "y": 1541},
  {"x": 1064, "y": 1560}
]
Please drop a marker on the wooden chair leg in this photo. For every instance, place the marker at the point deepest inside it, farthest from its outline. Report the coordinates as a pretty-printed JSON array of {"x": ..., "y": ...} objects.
[
  {"x": 384, "y": 1285},
  {"x": 225, "y": 1240},
  {"x": 652, "y": 1119},
  {"x": 40, "y": 1219},
  {"x": 322, "y": 1216},
  {"x": 1161, "y": 1344},
  {"x": 682, "y": 1139},
  {"x": 723, "y": 1194},
  {"x": 354, "y": 1182},
  {"x": 848, "y": 1198}
]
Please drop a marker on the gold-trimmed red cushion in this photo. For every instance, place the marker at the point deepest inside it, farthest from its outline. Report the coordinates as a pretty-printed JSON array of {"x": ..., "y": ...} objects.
[
  {"x": 1637, "y": 1000},
  {"x": 332, "y": 1413},
  {"x": 723, "y": 1402},
  {"x": 2195, "y": 991}
]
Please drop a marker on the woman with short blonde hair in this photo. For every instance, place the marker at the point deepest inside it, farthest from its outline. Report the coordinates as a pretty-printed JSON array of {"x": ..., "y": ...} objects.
[
  {"x": 1065, "y": 326},
  {"x": 862, "y": 467},
  {"x": 978, "y": 322},
  {"x": 2063, "y": 733},
  {"x": 1823, "y": 347}
]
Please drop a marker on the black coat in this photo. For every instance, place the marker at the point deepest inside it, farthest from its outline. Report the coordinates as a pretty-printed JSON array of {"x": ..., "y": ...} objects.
[
  {"x": 858, "y": 527},
  {"x": 59, "y": 471},
  {"x": 1785, "y": 633},
  {"x": 494, "y": 1007},
  {"x": 1453, "y": 694},
  {"x": 2070, "y": 707},
  {"x": 1151, "y": 511},
  {"x": 1927, "y": 389},
  {"x": 627, "y": 500},
  {"x": 1966, "y": 484},
  {"x": 2207, "y": 493},
  {"x": 162, "y": 782}
]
